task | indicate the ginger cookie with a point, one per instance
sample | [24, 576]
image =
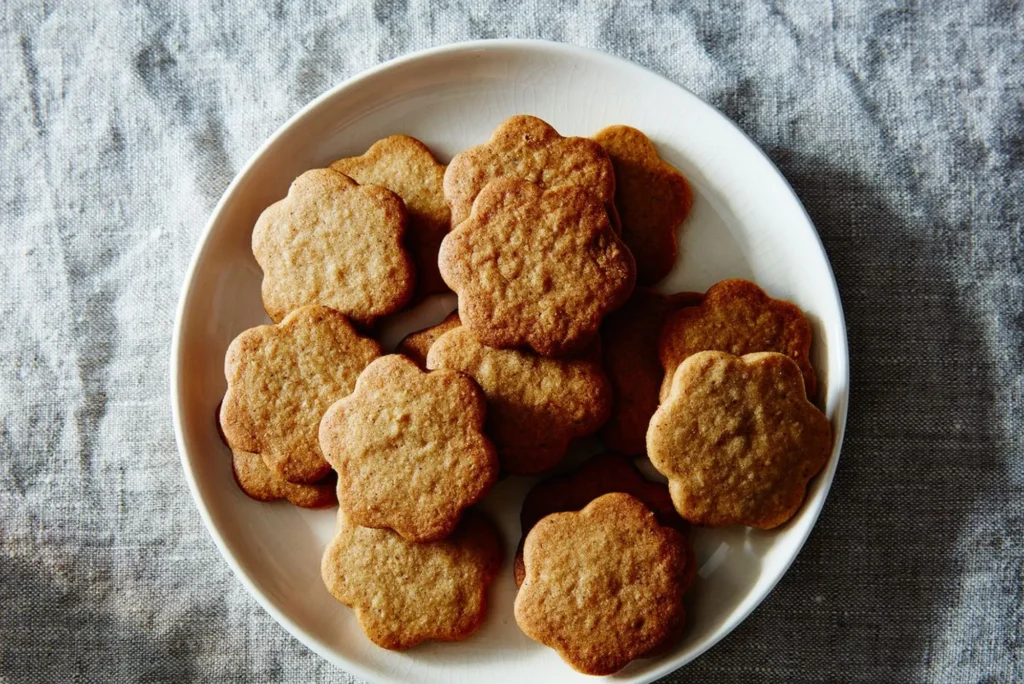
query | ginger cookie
[652, 198]
[736, 316]
[536, 268]
[334, 243]
[258, 482]
[738, 440]
[535, 404]
[603, 474]
[528, 148]
[404, 593]
[281, 379]
[630, 338]
[416, 345]
[409, 448]
[603, 585]
[406, 167]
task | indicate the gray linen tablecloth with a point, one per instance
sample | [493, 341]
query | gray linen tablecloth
[900, 125]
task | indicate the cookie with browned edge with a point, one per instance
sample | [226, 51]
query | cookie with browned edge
[528, 148]
[258, 482]
[602, 474]
[536, 268]
[736, 316]
[404, 593]
[603, 585]
[630, 337]
[738, 440]
[406, 167]
[334, 243]
[281, 379]
[535, 405]
[652, 198]
[409, 448]
[416, 345]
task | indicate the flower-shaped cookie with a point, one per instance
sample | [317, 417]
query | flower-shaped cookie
[528, 148]
[736, 316]
[738, 440]
[603, 474]
[409, 448]
[334, 243]
[603, 585]
[652, 198]
[537, 268]
[403, 592]
[535, 404]
[260, 483]
[281, 379]
[629, 337]
[406, 167]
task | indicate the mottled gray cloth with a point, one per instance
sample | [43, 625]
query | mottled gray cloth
[900, 125]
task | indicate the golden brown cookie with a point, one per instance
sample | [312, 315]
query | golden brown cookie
[738, 440]
[603, 585]
[416, 345]
[652, 197]
[404, 593]
[528, 148]
[603, 474]
[260, 483]
[409, 448]
[537, 268]
[630, 338]
[406, 167]
[281, 379]
[736, 316]
[334, 243]
[535, 404]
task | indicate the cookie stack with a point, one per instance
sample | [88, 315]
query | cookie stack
[544, 239]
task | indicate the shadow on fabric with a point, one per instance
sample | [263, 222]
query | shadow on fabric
[57, 622]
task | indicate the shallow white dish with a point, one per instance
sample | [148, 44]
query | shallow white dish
[746, 222]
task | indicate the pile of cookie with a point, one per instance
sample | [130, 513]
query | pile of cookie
[551, 244]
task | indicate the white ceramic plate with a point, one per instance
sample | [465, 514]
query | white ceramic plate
[746, 222]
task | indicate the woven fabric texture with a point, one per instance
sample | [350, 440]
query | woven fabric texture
[899, 124]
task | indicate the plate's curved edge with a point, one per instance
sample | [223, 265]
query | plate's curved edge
[842, 395]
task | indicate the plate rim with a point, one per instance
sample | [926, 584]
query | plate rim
[563, 49]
